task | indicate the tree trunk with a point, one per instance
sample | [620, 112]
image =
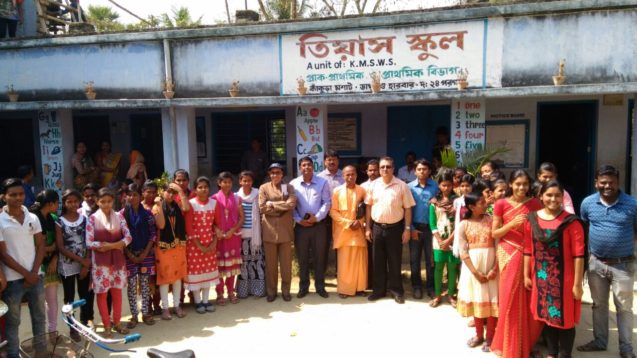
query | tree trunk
[228, 12]
[293, 10]
[266, 15]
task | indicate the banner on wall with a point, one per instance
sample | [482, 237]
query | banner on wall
[468, 126]
[51, 150]
[426, 57]
[310, 134]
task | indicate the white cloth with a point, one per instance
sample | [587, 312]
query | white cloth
[457, 205]
[255, 230]
[19, 240]
[407, 175]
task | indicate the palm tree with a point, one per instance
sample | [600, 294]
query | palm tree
[180, 18]
[104, 18]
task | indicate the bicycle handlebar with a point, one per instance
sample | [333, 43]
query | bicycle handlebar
[132, 338]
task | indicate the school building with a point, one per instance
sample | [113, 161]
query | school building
[372, 86]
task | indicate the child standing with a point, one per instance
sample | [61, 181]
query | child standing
[478, 285]
[107, 235]
[465, 187]
[251, 281]
[201, 246]
[170, 252]
[140, 258]
[45, 208]
[441, 220]
[228, 222]
[74, 264]
[554, 251]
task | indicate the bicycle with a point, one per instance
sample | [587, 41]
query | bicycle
[59, 345]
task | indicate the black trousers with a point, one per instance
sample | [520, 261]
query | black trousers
[8, 26]
[311, 241]
[559, 341]
[370, 265]
[68, 284]
[388, 250]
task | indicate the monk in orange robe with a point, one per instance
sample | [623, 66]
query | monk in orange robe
[348, 215]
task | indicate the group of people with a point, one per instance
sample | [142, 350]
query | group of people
[509, 254]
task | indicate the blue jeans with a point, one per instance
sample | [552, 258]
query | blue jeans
[34, 295]
[619, 278]
[416, 250]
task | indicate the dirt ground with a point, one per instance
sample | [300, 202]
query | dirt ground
[318, 327]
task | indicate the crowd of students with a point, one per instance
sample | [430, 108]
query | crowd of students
[511, 252]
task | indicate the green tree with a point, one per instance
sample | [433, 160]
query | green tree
[104, 18]
[180, 17]
[282, 9]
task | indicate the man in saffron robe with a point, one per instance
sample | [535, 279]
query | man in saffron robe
[349, 235]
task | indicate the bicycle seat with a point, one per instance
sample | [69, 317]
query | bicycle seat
[156, 353]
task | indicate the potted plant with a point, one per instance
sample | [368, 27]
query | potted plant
[12, 94]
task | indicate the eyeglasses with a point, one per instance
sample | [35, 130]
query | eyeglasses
[386, 166]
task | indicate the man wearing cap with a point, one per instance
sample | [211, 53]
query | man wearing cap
[388, 217]
[310, 233]
[276, 204]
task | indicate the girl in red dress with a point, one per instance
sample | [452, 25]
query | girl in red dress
[553, 268]
[517, 331]
[201, 246]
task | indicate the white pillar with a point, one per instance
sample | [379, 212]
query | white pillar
[633, 150]
[65, 116]
[179, 139]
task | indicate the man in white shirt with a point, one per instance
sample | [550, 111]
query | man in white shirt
[407, 173]
[21, 253]
[373, 173]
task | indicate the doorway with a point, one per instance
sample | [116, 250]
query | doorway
[92, 131]
[232, 133]
[17, 141]
[566, 137]
[413, 128]
[629, 147]
[146, 136]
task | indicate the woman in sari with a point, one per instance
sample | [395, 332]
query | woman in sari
[517, 331]
[108, 163]
[84, 171]
[137, 170]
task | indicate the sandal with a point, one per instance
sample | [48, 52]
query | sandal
[486, 347]
[233, 298]
[435, 302]
[475, 341]
[343, 296]
[453, 302]
[221, 301]
[119, 328]
[108, 333]
[132, 323]
[179, 312]
[148, 320]
[165, 315]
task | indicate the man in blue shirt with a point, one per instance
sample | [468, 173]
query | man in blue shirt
[612, 219]
[423, 190]
[313, 200]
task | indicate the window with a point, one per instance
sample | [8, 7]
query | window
[276, 137]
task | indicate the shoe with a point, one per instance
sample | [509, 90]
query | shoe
[148, 320]
[201, 308]
[475, 341]
[375, 297]
[209, 307]
[221, 301]
[287, 297]
[323, 293]
[453, 302]
[343, 296]
[361, 294]
[119, 328]
[590, 347]
[179, 312]
[166, 316]
[271, 298]
[418, 293]
[627, 355]
[302, 293]
[132, 323]
[233, 298]
[399, 299]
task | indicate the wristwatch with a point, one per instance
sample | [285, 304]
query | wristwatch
[408, 228]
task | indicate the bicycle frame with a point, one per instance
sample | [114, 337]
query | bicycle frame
[90, 335]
